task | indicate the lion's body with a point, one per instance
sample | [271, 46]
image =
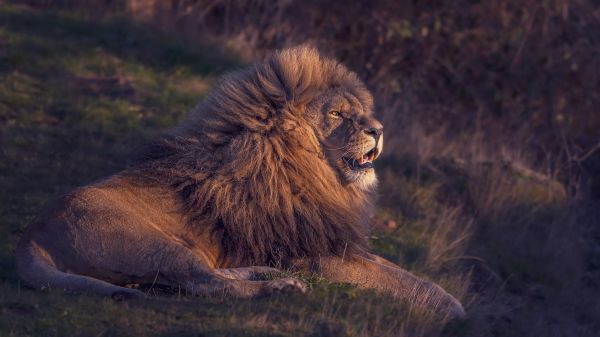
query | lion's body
[242, 185]
[116, 232]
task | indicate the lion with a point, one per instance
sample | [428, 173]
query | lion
[273, 170]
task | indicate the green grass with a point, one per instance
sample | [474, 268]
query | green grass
[26, 312]
[78, 95]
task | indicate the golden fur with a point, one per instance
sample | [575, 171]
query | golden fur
[250, 168]
[263, 173]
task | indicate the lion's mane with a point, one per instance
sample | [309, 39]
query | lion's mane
[250, 169]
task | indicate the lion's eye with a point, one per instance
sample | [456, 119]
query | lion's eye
[335, 113]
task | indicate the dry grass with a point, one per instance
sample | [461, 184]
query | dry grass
[490, 174]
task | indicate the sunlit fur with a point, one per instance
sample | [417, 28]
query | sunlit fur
[343, 134]
[255, 177]
[365, 180]
[251, 169]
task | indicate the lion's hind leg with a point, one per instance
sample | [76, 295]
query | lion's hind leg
[37, 268]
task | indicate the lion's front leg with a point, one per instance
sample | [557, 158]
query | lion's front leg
[219, 286]
[249, 273]
[244, 282]
[248, 282]
[371, 271]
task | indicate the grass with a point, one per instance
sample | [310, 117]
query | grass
[79, 94]
[74, 105]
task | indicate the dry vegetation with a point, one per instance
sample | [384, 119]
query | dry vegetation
[490, 183]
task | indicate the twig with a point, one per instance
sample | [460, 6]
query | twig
[588, 154]
[153, 282]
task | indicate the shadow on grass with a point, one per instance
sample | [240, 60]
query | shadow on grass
[118, 35]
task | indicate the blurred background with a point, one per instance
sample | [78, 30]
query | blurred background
[490, 180]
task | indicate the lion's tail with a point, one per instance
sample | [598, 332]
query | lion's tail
[37, 268]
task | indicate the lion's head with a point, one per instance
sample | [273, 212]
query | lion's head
[278, 161]
[350, 137]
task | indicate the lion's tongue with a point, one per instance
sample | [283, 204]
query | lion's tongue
[364, 159]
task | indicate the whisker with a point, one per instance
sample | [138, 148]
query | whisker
[334, 148]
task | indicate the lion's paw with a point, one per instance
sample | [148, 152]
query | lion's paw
[285, 285]
[453, 309]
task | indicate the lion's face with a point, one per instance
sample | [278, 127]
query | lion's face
[351, 138]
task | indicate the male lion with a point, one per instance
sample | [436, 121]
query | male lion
[275, 168]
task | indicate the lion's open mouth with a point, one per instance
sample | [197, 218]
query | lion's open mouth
[363, 162]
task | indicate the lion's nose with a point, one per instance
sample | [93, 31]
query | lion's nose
[375, 132]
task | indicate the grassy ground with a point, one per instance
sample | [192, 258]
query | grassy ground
[79, 94]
